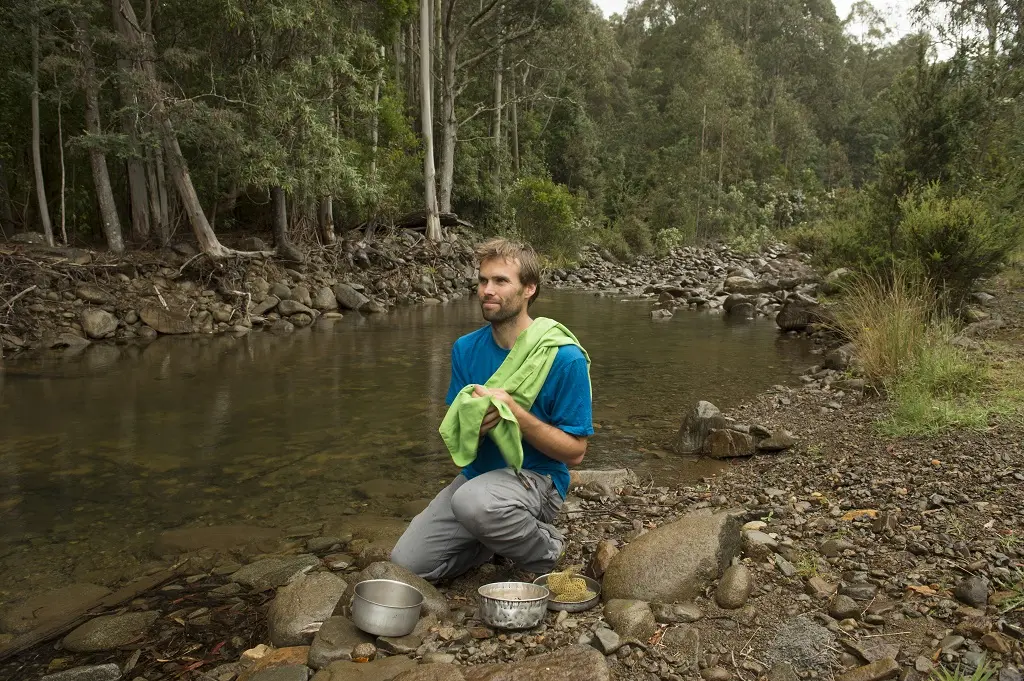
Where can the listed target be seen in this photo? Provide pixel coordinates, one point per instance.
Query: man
(490, 508)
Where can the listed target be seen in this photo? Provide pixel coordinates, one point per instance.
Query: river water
(100, 452)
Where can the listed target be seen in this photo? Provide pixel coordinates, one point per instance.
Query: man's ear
(529, 290)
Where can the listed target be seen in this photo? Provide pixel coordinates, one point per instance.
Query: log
(60, 625)
(417, 221)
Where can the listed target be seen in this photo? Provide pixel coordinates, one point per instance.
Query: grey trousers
(471, 520)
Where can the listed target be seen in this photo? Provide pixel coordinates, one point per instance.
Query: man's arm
(549, 440)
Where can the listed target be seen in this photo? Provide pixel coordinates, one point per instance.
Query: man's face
(501, 293)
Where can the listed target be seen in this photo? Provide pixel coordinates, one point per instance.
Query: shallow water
(100, 452)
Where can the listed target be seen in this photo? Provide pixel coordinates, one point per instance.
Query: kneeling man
(519, 414)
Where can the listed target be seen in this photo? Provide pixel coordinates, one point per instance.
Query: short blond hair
(500, 248)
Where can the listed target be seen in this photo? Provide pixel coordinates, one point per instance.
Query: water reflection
(102, 449)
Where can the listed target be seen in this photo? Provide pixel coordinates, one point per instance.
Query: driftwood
(417, 221)
(57, 626)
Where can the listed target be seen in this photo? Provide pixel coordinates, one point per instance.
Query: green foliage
(983, 672)
(545, 214)
(667, 239)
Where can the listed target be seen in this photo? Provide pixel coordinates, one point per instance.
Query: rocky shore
(825, 551)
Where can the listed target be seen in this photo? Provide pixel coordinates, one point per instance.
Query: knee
(406, 554)
(471, 509)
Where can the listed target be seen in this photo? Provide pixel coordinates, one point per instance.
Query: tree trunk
(6, 211)
(514, 127)
(158, 222)
(208, 241)
(721, 156)
(37, 160)
(449, 130)
(375, 120)
(700, 181)
(63, 174)
(411, 75)
(326, 219)
(499, 73)
(97, 159)
(137, 191)
(285, 248)
(429, 179)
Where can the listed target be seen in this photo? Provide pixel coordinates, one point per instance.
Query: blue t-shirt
(563, 402)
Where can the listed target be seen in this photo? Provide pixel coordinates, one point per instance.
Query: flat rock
(287, 308)
(652, 568)
(844, 607)
(698, 423)
(399, 645)
(607, 641)
(432, 672)
(876, 671)
(575, 663)
(221, 538)
(26, 615)
(301, 607)
(165, 321)
(348, 298)
(382, 669)
(602, 558)
(631, 619)
(108, 632)
(270, 573)
(614, 478)
(434, 602)
(101, 672)
(676, 613)
(91, 293)
(734, 588)
(266, 305)
(97, 323)
(723, 443)
(291, 672)
(778, 441)
(263, 657)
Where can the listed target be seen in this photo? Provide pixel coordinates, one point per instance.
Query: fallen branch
(160, 296)
(10, 303)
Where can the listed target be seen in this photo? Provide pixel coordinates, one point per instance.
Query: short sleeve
(569, 404)
(458, 381)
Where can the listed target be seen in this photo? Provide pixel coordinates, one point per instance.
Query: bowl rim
(360, 596)
(543, 597)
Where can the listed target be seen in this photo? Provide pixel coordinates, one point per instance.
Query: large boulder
(433, 601)
(745, 285)
(725, 444)
(630, 619)
(335, 641)
(165, 321)
(325, 300)
(675, 562)
(97, 323)
(101, 672)
(273, 572)
(795, 315)
(697, 425)
(301, 608)
(349, 298)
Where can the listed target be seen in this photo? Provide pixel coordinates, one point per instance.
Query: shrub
(667, 239)
(636, 233)
(544, 214)
(615, 242)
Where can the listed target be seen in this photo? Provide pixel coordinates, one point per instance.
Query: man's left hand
(497, 393)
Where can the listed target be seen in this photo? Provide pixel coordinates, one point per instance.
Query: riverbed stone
(97, 323)
(381, 669)
(91, 293)
(100, 672)
(335, 641)
(653, 567)
(433, 601)
(973, 591)
(170, 321)
(726, 444)
(348, 298)
(300, 294)
(433, 671)
(290, 672)
(631, 619)
(780, 440)
(698, 423)
(734, 588)
(602, 558)
(108, 632)
(676, 613)
(795, 316)
(274, 572)
(266, 305)
(325, 300)
(876, 671)
(574, 663)
(29, 613)
(287, 308)
(301, 607)
(612, 479)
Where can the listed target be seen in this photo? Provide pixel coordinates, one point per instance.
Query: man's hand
(492, 417)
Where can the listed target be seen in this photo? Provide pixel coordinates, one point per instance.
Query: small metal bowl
(513, 605)
(384, 607)
(592, 584)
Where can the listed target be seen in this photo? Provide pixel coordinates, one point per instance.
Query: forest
(130, 124)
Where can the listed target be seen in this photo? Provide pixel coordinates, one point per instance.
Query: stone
(372, 307)
(607, 641)
(973, 591)
(631, 619)
(222, 312)
(433, 671)
(819, 588)
(997, 642)
(24, 616)
(1008, 673)
(68, 341)
(301, 608)
(661, 314)
(602, 558)
(758, 538)
(734, 299)
(287, 308)
(840, 358)
(280, 290)
(91, 293)
(335, 641)
(109, 632)
(743, 285)
(97, 323)
(734, 588)
(364, 652)
(876, 671)
(684, 641)
(796, 316)
(270, 573)
(300, 294)
(844, 607)
(381, 669)
(221, 538)
(652, 567)
(265, 306)
(400, 645)
(290, 672)
(573, 663)
(697, 425)
(778, 441)
(801, 642)
(101, 672)
(165, 321)
(716, 673)
(263, 657)
(742, 311)
(282, 326)
(348, 298)
(612, 479)
(726, 444)
(325, 300)
(859, 591)
(783, 671)
(676, 613)
(434, 601)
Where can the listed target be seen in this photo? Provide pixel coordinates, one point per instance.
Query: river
(101, 451)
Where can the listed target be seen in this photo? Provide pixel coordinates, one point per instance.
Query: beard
(507, 310)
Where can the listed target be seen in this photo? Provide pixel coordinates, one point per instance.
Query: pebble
(973, 591)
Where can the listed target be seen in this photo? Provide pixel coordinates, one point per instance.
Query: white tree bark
(37, 159)
(429, 174)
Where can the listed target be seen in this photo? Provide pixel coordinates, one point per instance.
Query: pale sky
(896, 11)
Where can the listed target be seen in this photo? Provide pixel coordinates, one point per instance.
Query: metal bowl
(592, 584)
(513, 605)
(384, 607)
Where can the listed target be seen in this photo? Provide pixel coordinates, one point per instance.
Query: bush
(615, 242)
(955, 241)
(667, 239)
(545, 214)
(636, 234)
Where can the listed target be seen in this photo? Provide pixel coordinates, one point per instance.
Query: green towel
(521, 375)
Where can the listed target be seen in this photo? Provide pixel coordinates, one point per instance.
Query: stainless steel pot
(513, 605)
(384, 607)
